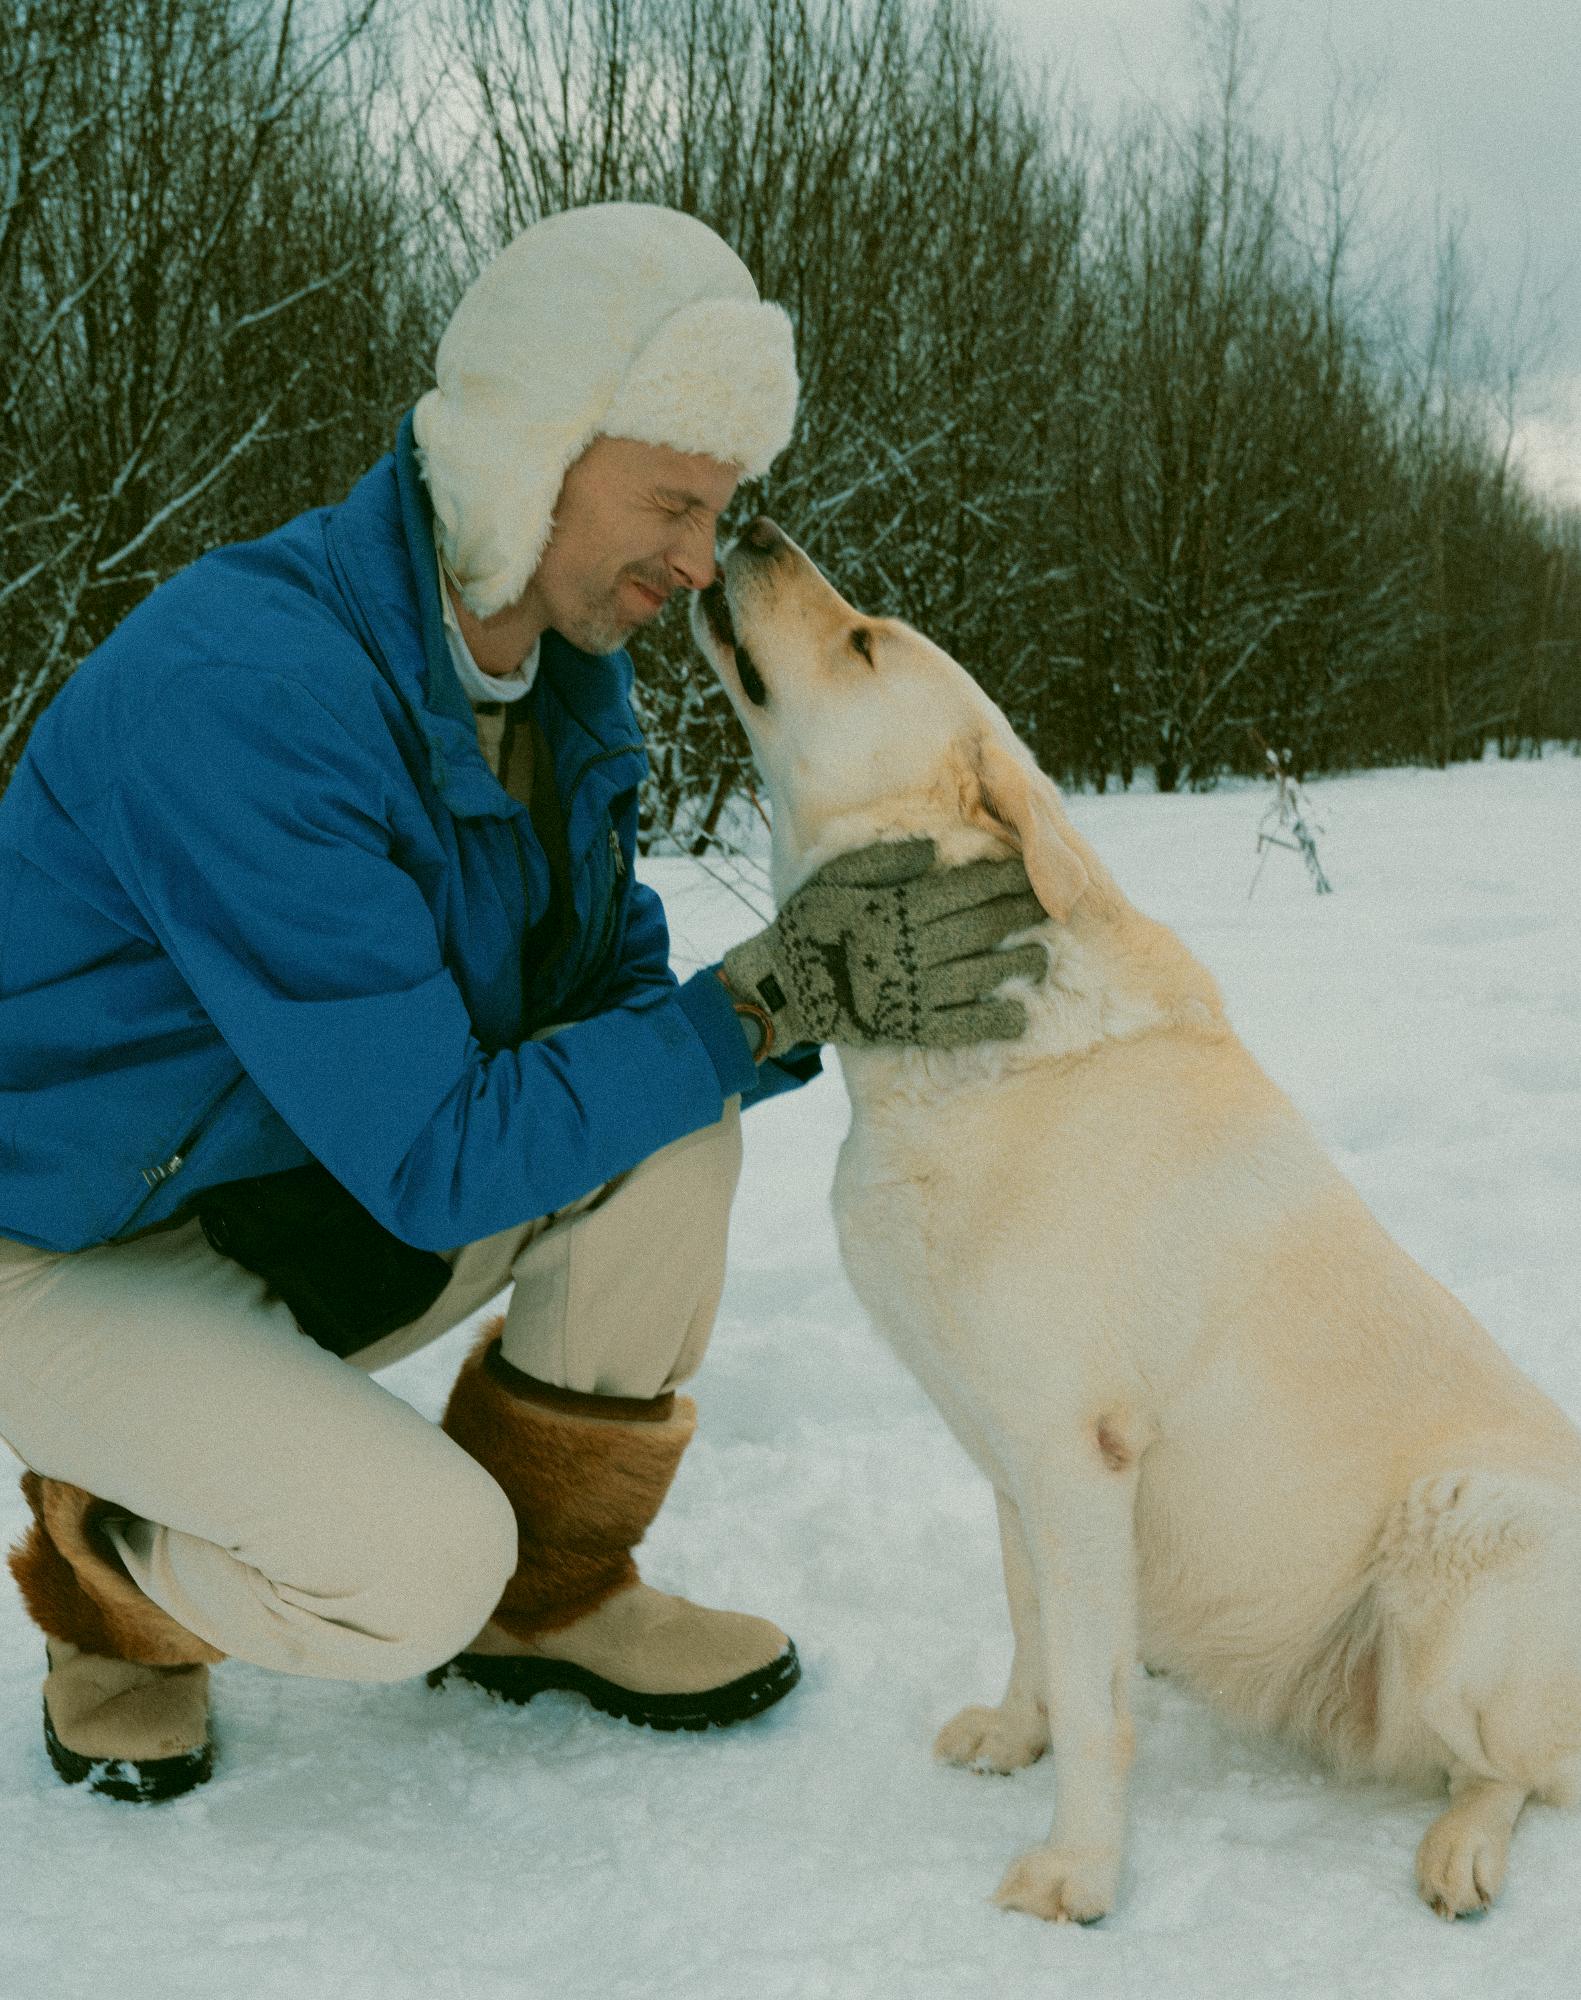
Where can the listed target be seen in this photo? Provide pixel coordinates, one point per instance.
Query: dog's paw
(1063, 1885)
(1460, 1865)
(993, 1739)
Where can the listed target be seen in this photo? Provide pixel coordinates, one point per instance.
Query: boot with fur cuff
(126, 1696)
(586, 1476)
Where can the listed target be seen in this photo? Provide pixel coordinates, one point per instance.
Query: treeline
(1121, 420)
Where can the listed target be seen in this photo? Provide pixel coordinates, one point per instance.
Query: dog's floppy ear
(1013, 796)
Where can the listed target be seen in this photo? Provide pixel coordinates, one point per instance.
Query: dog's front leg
(1081, 1545)
(1461, 1861)
(1015, 1733)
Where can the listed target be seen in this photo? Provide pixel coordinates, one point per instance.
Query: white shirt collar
(480, 687)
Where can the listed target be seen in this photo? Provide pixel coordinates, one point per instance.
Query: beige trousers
(285, 1507)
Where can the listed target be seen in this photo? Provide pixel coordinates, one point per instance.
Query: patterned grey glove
(883, 946)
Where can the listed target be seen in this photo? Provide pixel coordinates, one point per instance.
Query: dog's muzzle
(722, 629)
(716, 610)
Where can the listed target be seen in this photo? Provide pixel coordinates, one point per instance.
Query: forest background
(1137, 420)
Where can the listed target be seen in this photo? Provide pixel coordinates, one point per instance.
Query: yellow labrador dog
(1230, 1425)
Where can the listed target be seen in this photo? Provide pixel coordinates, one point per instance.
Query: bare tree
(201, 294)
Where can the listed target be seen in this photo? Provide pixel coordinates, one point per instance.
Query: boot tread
(518, 1679)
(138, 1783)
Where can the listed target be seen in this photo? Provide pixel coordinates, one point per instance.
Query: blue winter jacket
(261, 899)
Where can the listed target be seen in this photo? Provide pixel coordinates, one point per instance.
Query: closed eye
(862, 640)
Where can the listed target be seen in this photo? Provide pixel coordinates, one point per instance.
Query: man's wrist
(708, 1006)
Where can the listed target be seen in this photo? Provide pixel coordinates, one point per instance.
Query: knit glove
(883, 946)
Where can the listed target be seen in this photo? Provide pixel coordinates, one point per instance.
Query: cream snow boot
(126, 1696)
(587, 1475)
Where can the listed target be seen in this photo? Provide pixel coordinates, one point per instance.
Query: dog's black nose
(761, 535)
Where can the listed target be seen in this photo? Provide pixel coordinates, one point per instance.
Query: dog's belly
(1246, 1549)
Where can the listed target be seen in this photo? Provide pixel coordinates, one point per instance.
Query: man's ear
(1013, 796)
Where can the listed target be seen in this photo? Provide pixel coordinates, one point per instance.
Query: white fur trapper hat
(624, 319)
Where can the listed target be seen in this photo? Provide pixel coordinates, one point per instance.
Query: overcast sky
(1478, 106)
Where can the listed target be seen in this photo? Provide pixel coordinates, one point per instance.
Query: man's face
(634, 523)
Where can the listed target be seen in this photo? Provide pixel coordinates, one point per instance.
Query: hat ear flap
(1014, 797)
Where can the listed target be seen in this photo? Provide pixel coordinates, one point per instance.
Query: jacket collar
(380, 540)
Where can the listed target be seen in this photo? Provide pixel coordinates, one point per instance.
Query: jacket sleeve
(644, 971)
(251, 827)
(787, 1071)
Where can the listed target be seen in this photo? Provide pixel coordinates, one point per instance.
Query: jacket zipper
(616, 853)
(155, 1177)
(167, 1169)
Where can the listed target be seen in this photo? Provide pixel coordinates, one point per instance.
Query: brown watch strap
(750, 1010)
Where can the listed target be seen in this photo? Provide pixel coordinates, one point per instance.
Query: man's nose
(692, 559)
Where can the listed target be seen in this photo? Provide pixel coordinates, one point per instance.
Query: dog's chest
(910, 1240)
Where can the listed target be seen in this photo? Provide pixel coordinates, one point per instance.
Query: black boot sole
(519, 1679)
(145, 1783)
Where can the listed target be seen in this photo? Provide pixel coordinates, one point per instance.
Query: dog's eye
(862, 640)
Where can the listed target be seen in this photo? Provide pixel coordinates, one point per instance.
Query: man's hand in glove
(882, 946)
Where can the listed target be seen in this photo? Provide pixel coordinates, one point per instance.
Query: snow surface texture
(386, 1843)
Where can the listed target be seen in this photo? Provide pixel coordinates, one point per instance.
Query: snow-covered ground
(386, 1843)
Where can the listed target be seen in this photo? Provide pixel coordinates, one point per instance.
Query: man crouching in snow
(329, 1004)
